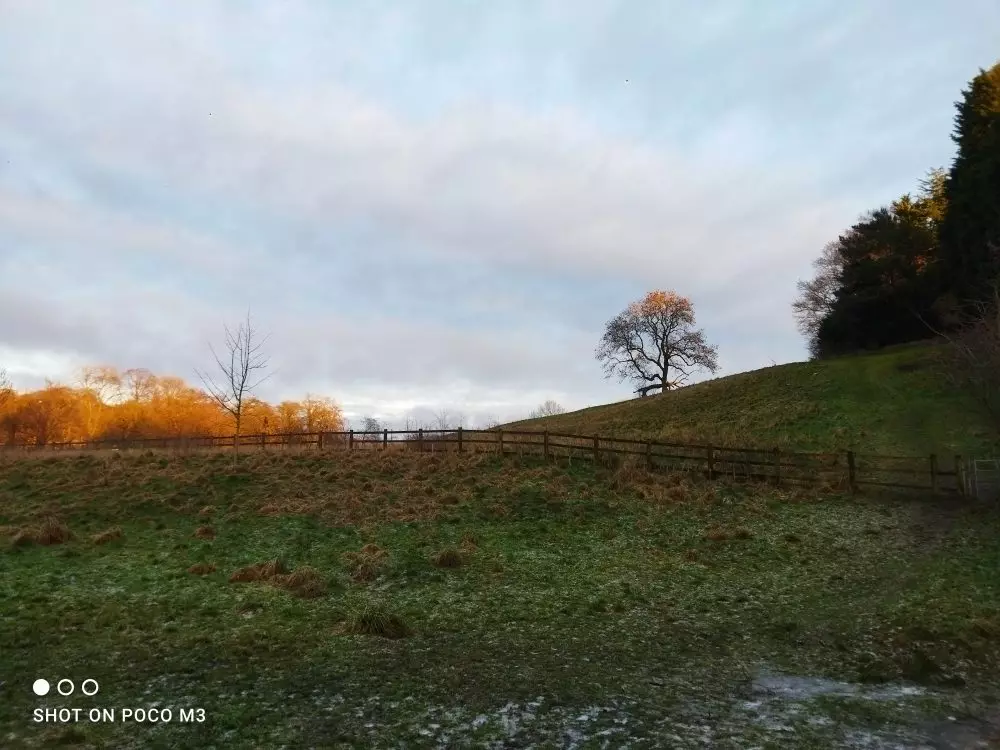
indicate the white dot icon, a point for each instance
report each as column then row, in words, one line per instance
column 41, row 687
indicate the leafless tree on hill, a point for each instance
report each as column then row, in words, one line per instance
column 240, row 370
column 816, row 296
column 653, row 343
column 548, row 408
column 972, row 359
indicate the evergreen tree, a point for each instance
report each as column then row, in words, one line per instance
column 970, row 231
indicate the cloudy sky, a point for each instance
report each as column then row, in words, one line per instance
column 436, row 205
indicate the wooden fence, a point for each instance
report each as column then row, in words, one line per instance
column 846, row 469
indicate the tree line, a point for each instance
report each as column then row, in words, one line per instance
column 106, row 403
column 925, row 263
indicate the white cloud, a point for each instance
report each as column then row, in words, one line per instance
column 118, row 127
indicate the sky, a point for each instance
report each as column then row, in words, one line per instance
column 435, row 206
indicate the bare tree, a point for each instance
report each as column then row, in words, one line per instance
column 103, row 381
column 489, row 421
column 240, row 373
column 371, row 425
column 548, row 408
column 653, row 343
column 817, row 296
column 972, row 362
column 139, row 383
column 6, row 388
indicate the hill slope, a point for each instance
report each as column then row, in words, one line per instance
column 892, row 402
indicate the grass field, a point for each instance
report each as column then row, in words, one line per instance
column 891, row 402
column 481, row 601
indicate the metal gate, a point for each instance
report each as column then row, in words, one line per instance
column 982, row 478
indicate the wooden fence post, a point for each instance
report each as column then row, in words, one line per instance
column 545, row 439
column 711, row 463
column 851, row 475
column 777, row 466
column 459, row 439
column 263, row 440
column 934, row 473
column 385, row 438
column 500, row 440
column 420, row 440
column 597, row 448
column 319, row 441
column 649, row 456
column 350, row 440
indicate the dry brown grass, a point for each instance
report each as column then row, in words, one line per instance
column 365, row 565
column 260, row 572
column 449, row 557
column 204, row 532
column 718, row 534
column 202, row 569
column 986, row 627
column 206, row 511
column 51, row 531
column 108, row 535
column 304, row 582
column 22, row 538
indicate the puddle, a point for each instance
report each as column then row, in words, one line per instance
column 798, row 688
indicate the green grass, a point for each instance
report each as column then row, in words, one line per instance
column 891, row 402
column 576, row 600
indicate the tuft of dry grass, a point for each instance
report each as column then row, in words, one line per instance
column 52, row 531
column 366, row 564
column 108, row 535
column 204, row 532
column 374, row 619
column 718, row 534
column 23, row 538
column 264, row 571
column 986, row 627
column 206, row 511
column 304, row 582
column 469, row 542
column 201, row 569
column 449, row 557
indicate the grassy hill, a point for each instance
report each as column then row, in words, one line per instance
column 893, row 402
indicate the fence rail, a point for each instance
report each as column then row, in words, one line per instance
column 844, row 469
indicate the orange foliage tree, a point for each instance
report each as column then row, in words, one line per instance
column 653, row 343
